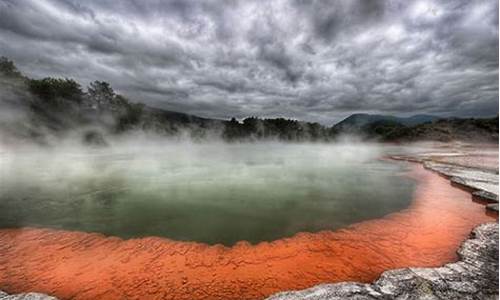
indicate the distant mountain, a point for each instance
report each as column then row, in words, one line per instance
column 444, row 130
column 386, row 128
column 356, row 121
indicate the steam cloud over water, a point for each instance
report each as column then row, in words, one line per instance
column 210, row 192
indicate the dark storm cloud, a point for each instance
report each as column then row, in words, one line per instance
column 315, row 60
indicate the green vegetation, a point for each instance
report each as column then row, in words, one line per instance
column 8, row 68
column 385, row 130
column 444, row 130
column 101, row 92
column 132, row 116
column 56, row 91
column 279, row 128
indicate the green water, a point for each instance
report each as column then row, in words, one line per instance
column 213, row 193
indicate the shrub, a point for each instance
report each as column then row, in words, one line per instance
column 55, row 90
column 8, row 68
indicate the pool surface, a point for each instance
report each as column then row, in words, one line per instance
column 211, row 193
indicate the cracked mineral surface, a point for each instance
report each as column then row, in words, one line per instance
column 474, row 276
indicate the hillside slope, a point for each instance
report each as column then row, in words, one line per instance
column 47, row 110
column 357, row 121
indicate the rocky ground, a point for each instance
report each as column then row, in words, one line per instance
column 473, row 167
column 25, row 296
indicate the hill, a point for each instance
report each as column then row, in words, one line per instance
column 356, row 121
column 387, row 128
column 47, row 110
column 444, row 130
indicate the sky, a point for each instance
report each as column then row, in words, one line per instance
column 303, row 59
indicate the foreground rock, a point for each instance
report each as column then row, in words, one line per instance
column 468, row 167
column 474, row 276
column 490, row 197
column 476, row 179
column 25, row 296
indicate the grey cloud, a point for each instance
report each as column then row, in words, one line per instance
column 314, row 60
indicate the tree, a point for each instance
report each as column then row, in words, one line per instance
column 8, row 68
column 131, row 116
column 56, row 90
column 101, row 92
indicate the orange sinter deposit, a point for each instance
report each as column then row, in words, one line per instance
column 80, row 265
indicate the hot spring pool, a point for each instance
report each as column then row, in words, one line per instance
column 211, row 193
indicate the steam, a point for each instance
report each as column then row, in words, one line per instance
column 72, row 169
column 213, row 192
